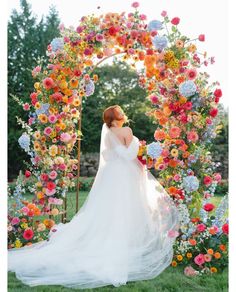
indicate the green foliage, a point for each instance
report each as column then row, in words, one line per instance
column 27, row 42
column 118, row 84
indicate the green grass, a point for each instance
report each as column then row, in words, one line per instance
column 170, row 280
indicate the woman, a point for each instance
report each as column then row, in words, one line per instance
column 124, row 231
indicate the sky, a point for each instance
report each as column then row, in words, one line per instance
column 196, row 17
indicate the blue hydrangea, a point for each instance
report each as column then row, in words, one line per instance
column 24, row 141
column 159, row 42
column 190, row 183
column 155, row 25
column 154, row 149
column 57, row 44
column 187, row 88
column 89, row 88
column 43, row 109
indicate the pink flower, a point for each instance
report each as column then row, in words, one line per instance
column 208, row 121
column 199, row 259
column 154, row 99
column 53, row 174
column 209, row 207
column 50, row 192
column 26, row 106
column 143, row 16
column 207, row 180
column 48, row 83
column 201, row 37
column 191, row 74
column 52, row 119
column 135, row 4
column 55, row 201
column 217, row 177
column 188, row 105
column 201, row 227
column 62, row 166
column 25, row 210
column 173, row 233
column 15, row 220
column 36, row 70
column 176, row 177
column 175, row 20
column 192, row 136
column 99, row 37
column 65, row 137
column 164, row 13
column 28, row 234
column 207, row 257
column 190, row 271
column 48, row 131
column 51, row 185
column 175, row 132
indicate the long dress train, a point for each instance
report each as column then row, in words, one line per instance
column 124, row 231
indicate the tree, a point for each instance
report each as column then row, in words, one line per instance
column 27, row 41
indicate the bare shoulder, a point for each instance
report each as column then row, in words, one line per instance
column 127, row 131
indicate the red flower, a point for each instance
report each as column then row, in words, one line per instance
column 209, row 207
column 51, row 185
column 48, row 83
column 175, row 20
column 225, row 228
column 28, row 234
column 188, row 105
column 201, row 227
column 27, row 173
column 201, row 37
column 112, row 30
column 44, row 177
column 207, row 180
column 213, row 112
column 218, row 93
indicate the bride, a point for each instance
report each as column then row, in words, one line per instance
column 124, row 231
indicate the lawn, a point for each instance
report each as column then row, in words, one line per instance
column 170, row 280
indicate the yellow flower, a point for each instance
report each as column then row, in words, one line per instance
column 24, row 225
column 168, row 56
column 38, row 184
column 36, row 85
column 174, row 263
column 173, row 63
column 43, row 118
column 37, row 135
column 18, row 243
column 213, row 269
column 36, row 146
column 53, row 150
column 40, row 195
column 76, row 102
column 174, row 152
column 179, row 257
column 63, row 84
column 37, row 105
column 65, row 98
column 189, row 255
column 192, row 48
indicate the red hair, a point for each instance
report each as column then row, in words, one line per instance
column 110, row 114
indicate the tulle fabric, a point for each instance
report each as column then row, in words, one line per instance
column 123, row 232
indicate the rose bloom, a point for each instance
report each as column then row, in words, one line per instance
column 213, row 112
column 15, row 220
column 50, row 192
column 48, row 131
column 175, row 132
column 48, row 83
column 28, row 234
column 217, row 177
column 201, row 227
column 209, row 207
column 199, row 259
column 53, row 174
column 207, row 180
column 65, row 137
column 192, row 136
column 201, row 37
column 26, row 106
column 175, row 20
column 52, row 119
column 207, row 257
column 191, row 74
column 159, row 135
column 135, row 4
column 225, row 228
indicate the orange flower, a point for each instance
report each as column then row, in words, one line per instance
column 192, row 241
column 213, row 269
column 210, row 251
column 48, row 223
column 222, row 247
column 217, row 255
column 95, row 77
column 159, row 135
column 74, row 83
column 174, row 263
column 173, row 163
column 185, row 154
column 189, row 255
column 163, row 121
column 172, row 190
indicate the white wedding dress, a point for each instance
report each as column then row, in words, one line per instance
column 123, row 232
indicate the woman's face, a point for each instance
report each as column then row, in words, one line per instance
column 121, row 116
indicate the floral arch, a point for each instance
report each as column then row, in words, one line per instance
column 184, row 105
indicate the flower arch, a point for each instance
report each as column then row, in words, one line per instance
column 184, row 105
